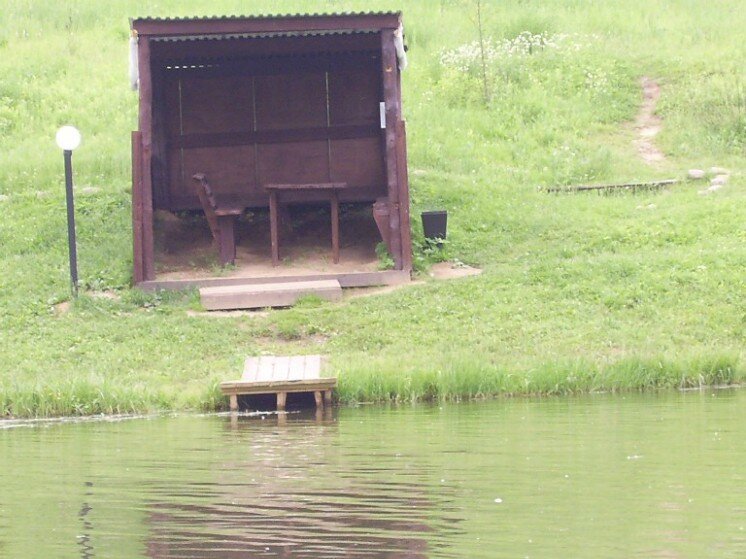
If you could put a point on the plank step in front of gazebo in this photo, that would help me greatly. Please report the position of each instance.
(281, 375)
(262, 295)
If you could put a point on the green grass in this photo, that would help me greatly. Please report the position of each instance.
(579, 292)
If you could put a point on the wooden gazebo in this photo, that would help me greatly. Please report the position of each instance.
(250, 113)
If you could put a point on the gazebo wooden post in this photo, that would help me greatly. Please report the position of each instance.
(404, 220)
(391, 98)
(137, 264)
(146, 177)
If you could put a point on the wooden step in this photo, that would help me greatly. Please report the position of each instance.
(262, 295)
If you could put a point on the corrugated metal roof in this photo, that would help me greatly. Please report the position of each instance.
(229, 36)
(261, 16)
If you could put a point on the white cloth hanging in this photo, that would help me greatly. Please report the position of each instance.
(401, 54)
(134, 69)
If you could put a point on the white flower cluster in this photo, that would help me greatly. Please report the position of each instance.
(465, 57)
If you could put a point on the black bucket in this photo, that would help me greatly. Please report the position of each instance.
(435, 224)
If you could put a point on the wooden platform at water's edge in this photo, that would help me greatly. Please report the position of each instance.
(280, 375)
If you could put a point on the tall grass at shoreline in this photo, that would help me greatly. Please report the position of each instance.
(465, 377)
(579, 292)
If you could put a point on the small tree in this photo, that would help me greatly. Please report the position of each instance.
(482, 54)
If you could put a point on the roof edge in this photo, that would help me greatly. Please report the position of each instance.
(153, 26)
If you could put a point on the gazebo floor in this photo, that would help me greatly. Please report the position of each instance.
(187, 257)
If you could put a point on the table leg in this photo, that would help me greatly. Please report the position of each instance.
(335, 227)
(273, 228)
(227, 239)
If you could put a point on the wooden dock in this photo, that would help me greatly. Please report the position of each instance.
(281, 375)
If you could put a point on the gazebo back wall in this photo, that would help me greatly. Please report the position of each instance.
(249, 121)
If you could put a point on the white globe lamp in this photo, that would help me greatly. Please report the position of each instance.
(68, 138)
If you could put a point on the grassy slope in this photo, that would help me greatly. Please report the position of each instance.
(579, 292)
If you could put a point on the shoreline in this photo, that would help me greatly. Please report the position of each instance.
(380, 388)
(30, 422)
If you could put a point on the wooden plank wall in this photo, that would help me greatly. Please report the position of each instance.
(312, 123)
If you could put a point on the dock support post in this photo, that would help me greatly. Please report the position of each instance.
(319, 401)
(281, 401)
(234, 402)
(327, 397)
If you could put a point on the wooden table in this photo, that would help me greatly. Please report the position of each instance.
(330, 188)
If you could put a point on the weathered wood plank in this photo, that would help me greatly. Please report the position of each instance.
(632, 185)
(266, 24)
(345, 279)
(146, 178)
(138, 273)
(267, 295)
(403, 180)
(287, 135)
(297, 367)
(266, 370)
(250, 369)
(389, 72)
(312, 367)
(270, 368)
(241, 387)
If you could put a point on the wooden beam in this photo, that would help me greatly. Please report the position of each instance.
(406, 226)
(308, 385)
(391, 98)
(295, 50)
(628, 185)
(345, 279)
(138, 275)
(146, 129)
(199, 64)
(248, 137)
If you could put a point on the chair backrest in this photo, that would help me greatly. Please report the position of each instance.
(207, 201)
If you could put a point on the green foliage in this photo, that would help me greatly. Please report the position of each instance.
(579, 292)
(385, 262)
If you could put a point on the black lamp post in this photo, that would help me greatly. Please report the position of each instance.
(68, 138)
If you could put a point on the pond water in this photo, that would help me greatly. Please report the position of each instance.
(602, 476)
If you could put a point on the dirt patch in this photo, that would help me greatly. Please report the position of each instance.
(648, 124)
(451, 270)
(439, 271)
(356, 293)
(62, 308)
(110, 295)
(184, 247)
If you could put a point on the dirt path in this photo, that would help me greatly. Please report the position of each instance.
(647, 124)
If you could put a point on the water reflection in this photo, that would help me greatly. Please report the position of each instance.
(605, 476)
(84, 539)
(277, 500)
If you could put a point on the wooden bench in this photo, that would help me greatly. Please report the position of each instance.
(330, 188)
(221, 218)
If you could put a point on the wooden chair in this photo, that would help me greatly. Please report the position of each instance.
(221, 218)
